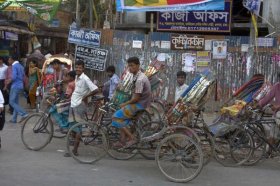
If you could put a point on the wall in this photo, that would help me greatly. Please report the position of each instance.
(231, 73)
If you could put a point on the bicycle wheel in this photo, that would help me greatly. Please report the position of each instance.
(234, 147)
(86, 143)
(179, 158)
(37, 131)
(147, 149)
(206, 143)
(259, 146)
(113, 136)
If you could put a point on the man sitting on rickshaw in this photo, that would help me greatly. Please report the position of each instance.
(140, 100)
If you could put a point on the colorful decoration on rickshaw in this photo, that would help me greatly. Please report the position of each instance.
(262, 91)
(236, 107)
(191, 98)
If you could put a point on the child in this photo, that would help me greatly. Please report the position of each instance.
(61, 110)
(70, 79)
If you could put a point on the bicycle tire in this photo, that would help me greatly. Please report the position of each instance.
(259, 145)
(207, 144)
(226, 144)
(92, 145)
(42, 127)
(184, 156)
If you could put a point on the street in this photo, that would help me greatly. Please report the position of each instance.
(22, 167)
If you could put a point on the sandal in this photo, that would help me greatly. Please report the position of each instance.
(130, 143)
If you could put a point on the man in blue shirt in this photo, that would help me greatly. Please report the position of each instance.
(113, 82)
(16, 89)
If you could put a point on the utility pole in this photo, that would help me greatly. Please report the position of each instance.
(90, 14)
(78, 21)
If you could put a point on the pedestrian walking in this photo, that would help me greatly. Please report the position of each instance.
(34, 79)
(17, 87)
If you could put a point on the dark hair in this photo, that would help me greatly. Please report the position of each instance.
(56, 61)
(111, 69)
(72, 74)
(181, 73)
(80, 62)
(14, 57)
(1, 58)
(134, 60)
(34, 62)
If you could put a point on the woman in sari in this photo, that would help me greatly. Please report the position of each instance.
(34, 75)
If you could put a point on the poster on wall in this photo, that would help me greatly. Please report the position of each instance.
(203, 58)
(94, 58)
(189, 62)
(219, 49)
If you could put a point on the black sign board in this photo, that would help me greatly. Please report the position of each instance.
(94, 58)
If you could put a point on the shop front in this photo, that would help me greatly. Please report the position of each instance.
(14, 39)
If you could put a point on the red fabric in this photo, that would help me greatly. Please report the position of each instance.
(174, 2)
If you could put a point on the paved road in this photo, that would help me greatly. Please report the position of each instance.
(21, 167)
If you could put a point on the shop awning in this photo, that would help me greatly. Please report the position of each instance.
(16, 30)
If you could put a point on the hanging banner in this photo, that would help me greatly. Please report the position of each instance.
(196, 21)
(44, 9)
(186, 42)
(84, 37)
(203, 58)
(219, 49)
(94, 58)
(169, 5)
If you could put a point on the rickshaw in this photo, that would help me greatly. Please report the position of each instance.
(38, 129)
(232, 142)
